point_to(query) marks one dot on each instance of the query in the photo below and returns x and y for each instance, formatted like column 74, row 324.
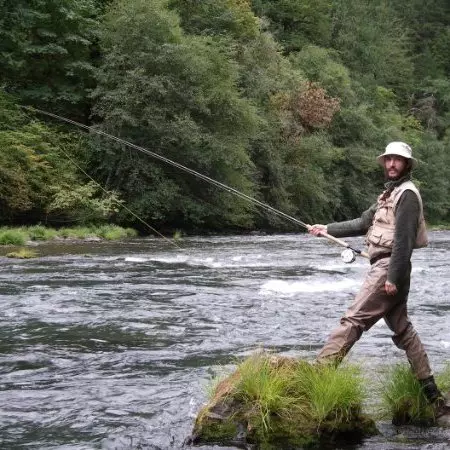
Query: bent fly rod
column 348, row 255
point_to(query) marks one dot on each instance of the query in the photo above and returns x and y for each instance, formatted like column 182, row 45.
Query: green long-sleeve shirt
column 406, row 223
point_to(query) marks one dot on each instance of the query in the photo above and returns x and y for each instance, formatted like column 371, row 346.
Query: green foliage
column 318, row 394
column 286, row 101
column 264, row 385
column 25, row 170
column 46, row 52
column 80, row 232
column 114, row 232
column 428, row 25
column 311, row 190
column 187, row 106
column 433, row 173
column 322, row 65
column 86, row 203
column 333, row 394
column 37, row 174
column 40, row 233
column 286, row 402
column 295, row 23
column 231, row 18
column 12, row 237
column 443, row 378
column 403, row 398
column 19, row 236
column 373, row 48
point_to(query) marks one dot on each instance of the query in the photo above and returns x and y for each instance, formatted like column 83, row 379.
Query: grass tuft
column 403, row 398
column 265, row 386
column 12, row 237
column 113, row 232
column 40, row 233
column 284, row 400
column 443, row 378
column 19, row 236
column 333, row 395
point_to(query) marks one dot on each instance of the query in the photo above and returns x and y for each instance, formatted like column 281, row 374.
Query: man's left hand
column 391, row 288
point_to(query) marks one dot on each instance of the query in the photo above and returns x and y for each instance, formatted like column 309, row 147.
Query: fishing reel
column 348, row 255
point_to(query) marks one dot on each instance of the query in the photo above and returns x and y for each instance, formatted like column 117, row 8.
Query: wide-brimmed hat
column 400, row 149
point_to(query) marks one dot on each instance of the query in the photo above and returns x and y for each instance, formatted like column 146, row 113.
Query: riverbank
column 29, row 235
column 19, row 236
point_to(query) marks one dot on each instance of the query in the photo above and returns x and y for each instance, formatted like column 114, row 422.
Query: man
column 394, row 226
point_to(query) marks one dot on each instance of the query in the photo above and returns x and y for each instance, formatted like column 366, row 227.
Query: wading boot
column 441, row 405
column 442, row 411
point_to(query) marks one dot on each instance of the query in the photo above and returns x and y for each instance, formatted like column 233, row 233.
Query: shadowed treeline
column 286, row 101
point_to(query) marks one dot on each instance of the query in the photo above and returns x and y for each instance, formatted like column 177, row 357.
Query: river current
column 114, row 345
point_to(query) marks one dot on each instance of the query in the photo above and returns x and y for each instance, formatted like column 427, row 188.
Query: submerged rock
column 276, row 402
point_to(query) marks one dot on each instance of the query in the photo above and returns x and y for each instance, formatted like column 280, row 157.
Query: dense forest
column 287, row 101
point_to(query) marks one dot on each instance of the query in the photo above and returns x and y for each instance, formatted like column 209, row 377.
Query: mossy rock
column 22, row 254
column 276, row 402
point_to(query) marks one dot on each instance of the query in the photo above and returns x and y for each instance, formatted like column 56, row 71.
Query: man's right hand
column 317, row 229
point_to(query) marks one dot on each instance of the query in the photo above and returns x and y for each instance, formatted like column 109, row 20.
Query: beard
column 398, row 175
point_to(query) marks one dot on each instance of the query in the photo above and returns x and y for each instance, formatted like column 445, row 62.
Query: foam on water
column 286, row 287
column 233, row 261
column 136, row 259
column 115, row 345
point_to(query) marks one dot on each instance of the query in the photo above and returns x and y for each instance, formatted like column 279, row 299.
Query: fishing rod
column 347, row 255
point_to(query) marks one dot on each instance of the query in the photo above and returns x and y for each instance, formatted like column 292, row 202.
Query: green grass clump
column 266, row 387
column 403, row 398
column 12, row 237
column 23, row 253
column 443, row 378
column 439, row 227
column 334, row 395
column 114, row 232
column 19, row 236
column 40, row 233
column 280, row 400
column 76, row 232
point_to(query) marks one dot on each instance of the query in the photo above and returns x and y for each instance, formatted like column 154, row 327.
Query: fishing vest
column 380, row 237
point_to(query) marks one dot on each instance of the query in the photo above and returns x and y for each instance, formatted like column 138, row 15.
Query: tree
column 296, row 23
column 376, row 50
column 230, row 19
column 39, row 173
column 178, row 95
column 45, row 47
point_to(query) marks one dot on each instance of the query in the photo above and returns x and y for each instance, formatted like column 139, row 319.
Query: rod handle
column 341, row 242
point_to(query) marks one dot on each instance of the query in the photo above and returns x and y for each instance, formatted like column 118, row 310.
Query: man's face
column 394, row 166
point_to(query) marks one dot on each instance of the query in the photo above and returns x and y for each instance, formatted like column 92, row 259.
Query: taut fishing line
column 194, row 173
column 122, row 205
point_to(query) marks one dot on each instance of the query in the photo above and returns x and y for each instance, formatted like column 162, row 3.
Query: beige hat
column 397, row 148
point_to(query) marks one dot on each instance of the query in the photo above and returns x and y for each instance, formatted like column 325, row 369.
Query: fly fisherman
column 394, row 226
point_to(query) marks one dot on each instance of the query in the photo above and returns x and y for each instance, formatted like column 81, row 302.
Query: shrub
column 12, row 237
column 41, row 233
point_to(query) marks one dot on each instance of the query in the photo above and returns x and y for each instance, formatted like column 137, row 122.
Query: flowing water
column 114, row 345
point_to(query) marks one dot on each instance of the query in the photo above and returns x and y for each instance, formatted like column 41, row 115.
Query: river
column 113, row 345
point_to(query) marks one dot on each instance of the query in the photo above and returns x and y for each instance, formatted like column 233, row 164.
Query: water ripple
column 114, row 345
